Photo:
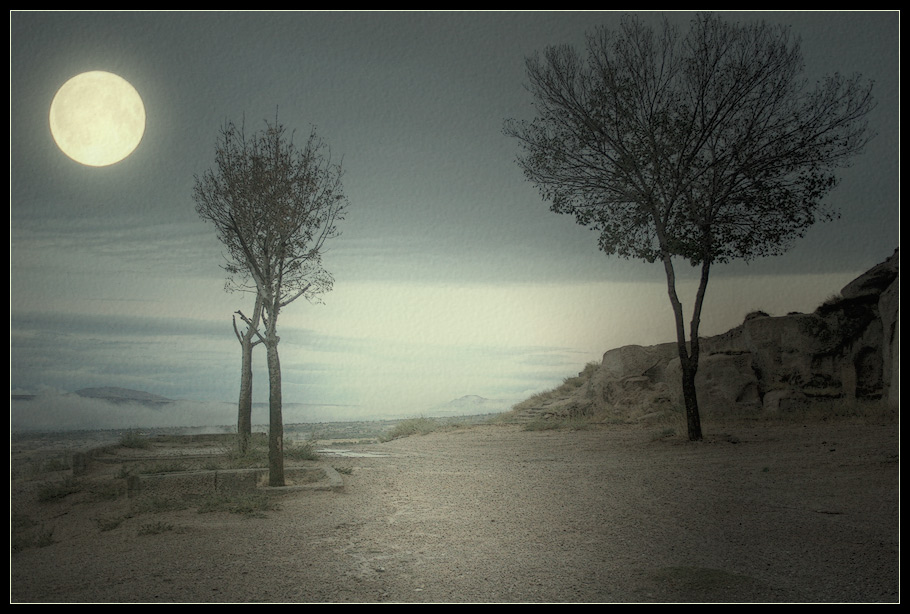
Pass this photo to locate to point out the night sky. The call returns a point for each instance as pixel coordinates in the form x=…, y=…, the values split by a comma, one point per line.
x=452, y=277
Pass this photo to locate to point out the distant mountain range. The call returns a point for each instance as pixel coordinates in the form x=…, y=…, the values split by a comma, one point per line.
x=468, y=405
x=123, y=395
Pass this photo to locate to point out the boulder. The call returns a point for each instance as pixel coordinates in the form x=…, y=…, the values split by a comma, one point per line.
x=637, y=360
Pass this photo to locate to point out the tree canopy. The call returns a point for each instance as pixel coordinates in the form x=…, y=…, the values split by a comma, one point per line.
x=273, y=205
x=709, y=146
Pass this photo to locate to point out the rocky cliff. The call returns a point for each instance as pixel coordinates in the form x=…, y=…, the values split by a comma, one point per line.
x=847, y=349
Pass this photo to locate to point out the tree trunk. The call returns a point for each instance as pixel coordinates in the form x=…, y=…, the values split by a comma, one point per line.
x=693, y=416
x=690, y=397
x=245, y=404
x=276, y=424
x=687, y=362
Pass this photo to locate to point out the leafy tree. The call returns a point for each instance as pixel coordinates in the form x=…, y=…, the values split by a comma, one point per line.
x=274, y=205
x=707, y=147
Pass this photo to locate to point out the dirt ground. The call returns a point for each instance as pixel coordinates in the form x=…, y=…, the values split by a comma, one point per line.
x=755, y=513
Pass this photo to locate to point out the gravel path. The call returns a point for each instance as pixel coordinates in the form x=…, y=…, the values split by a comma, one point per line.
x=769, y=513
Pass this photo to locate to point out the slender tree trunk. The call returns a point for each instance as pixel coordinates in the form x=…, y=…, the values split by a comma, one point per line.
x=245, y=402
x=693, y=416
x=688, y=361
x=690, y=396
x=276, y=424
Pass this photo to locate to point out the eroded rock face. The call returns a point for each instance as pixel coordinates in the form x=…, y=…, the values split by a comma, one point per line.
x=637, y=360
x=723, y=380
x=847, y=349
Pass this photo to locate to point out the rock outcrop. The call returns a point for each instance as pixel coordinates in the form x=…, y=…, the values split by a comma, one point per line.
x=847, y=349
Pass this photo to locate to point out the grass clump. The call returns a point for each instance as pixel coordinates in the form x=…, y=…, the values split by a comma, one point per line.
x=255, y=455
x=570, y=388
x=411, y=426
x=134, y=439
x=257, y=452
x=300, y=451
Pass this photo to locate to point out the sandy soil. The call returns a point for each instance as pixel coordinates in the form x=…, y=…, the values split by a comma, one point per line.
x=760, y=513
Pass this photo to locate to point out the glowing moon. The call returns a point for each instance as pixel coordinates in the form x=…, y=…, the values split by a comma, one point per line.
x=97, y=118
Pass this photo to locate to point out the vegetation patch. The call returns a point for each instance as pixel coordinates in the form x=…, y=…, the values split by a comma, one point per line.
x=134, y=439
x=257, y=453
x=54, y=491
x=570, y=388
x=247, y=504
x=300, y=451
x=412, y=426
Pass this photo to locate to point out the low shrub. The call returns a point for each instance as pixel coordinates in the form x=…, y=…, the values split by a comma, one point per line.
x=300, y=451
x=134, y=439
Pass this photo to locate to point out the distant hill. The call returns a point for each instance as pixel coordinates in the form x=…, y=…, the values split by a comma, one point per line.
x=469, y=405
x=123, y=395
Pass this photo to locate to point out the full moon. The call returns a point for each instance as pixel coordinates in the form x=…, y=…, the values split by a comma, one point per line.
x=97, y=118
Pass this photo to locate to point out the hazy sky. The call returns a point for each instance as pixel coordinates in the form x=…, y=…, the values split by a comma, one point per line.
x=452, y=276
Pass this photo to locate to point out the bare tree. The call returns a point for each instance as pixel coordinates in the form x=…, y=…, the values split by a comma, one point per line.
x=707, y=147
x=273, y=205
